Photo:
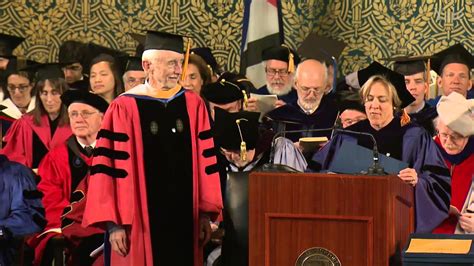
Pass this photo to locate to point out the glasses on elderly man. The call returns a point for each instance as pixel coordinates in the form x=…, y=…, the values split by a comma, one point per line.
x=272, y=72
x=454, y=137
x=83, y=114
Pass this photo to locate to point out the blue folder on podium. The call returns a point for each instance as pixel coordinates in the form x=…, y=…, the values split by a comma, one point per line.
x=437, y=259
x=354, y=159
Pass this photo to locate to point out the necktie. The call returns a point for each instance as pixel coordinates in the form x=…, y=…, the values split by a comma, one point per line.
x=88, y=150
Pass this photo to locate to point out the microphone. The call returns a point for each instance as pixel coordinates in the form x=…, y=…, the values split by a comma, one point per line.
x=270, y=166
x=376, y=168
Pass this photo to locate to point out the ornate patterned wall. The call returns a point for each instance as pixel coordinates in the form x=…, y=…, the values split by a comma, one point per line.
x=373, y=29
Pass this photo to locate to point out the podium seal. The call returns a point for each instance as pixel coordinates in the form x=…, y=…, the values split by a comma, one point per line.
x=317, y=257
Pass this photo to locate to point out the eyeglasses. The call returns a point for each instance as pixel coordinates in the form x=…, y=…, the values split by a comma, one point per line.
x=455, y=137
x=20, y=88
x=307, y=90
x=83, y=114
x=272, y=72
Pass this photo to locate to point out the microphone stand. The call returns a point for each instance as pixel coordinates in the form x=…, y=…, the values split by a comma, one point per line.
x=376, y=168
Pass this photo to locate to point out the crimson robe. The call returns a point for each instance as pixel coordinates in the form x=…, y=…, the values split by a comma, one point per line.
x=19, y=138
x=117, y=190
x=57, y=182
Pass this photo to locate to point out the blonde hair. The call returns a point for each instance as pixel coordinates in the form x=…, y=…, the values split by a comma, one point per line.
x=392, y=92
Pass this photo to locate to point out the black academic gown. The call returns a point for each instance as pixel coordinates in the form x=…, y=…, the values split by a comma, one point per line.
x=292, y=117
x=410, y=144
x=425, y=117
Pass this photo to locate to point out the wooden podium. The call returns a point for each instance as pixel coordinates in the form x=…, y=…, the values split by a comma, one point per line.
x=363, y=220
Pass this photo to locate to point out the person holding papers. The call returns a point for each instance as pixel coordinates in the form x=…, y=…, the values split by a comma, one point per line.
x=383, y=93
x=455, y=139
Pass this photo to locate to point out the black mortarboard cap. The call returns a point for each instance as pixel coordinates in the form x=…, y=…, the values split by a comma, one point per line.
x=140, y=38
x=409, y=65
x=71, y=52
x=8, y=43
x=206, y=54
x=46, y=71
x=222, y=92
x=81, y=96
x=320, y=48
x=280, y=53
x=130, y=63
x=240, y=80
x=226, y=129
x=349, y=100
x=397, y=80
x=164, y=41
x=454, y=54
x=18, y=64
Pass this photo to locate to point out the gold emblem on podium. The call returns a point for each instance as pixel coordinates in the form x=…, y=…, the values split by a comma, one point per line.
x=317, y=257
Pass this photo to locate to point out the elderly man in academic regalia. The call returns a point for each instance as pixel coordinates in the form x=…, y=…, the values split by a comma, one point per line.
x=65, y=167
x=21, y=211
x=455, y=139
x=156, y=187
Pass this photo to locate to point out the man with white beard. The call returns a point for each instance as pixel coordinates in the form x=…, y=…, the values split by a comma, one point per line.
x=280, y=63
x=312, y=109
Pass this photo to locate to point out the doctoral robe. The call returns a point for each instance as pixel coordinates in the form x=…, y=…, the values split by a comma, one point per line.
x=461, y=167
x=12, y=113
x=292, y=117
x=154, y=157
x=27, y=143
x=60, y=172
x=21, y=211
x=413, y=145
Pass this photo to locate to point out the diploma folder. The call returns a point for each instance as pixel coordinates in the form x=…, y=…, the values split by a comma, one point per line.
x=355, y=159
x=461, y=255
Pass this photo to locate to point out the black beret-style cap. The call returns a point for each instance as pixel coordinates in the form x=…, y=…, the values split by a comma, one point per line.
x=321, y=48
x=397, y=80
x=164, y=41
x=222, y=92
x=349, y=100
x=130, y=63
x=454, y=54
x=280, y=53
x=71, y=52
x=81, y=96
x=8, y=43
x=206, y=54
x=409, y=65
x=226, y=129
x=46, y=71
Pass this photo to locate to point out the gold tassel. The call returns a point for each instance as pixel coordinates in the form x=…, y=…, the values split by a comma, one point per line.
x=243, y=145
x=186, y=60
x=405, y=118
x=291, y=60
x=246, y=99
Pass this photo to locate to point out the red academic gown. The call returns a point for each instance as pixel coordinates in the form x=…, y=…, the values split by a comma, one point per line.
x=19, y=138
x=461, y=180
x=123, y=200
x=56, y=184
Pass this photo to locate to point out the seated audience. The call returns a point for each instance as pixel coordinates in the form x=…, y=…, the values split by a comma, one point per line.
x=47, y=126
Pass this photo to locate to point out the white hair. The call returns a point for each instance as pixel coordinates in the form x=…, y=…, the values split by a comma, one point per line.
x=149, y=55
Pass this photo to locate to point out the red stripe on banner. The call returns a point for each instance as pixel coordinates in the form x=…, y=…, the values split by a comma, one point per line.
x=273, y=2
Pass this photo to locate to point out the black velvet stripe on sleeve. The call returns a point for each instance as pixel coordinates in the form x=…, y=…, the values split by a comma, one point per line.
x=112, y=154
x=436, y=170
x=206, y=134
x=210, y=169
x=104, y=169
x=32, y=194
x=66, y=210
x=66, y=222
x=209, y=152
x=77, y=196
x=114, y=136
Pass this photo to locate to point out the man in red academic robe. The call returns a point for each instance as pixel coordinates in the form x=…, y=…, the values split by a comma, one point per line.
x=155, y=183
x=64, y=167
